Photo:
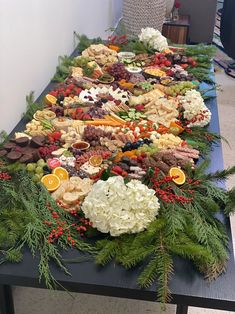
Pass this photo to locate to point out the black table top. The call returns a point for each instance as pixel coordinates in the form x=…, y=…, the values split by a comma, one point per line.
x=187, y=285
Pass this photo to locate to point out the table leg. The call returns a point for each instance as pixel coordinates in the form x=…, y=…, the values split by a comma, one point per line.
x=6, y=300
x=181, y=309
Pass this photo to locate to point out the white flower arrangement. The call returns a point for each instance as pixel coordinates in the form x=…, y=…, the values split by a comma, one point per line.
x=153, y=38
x=195, y=110
x=115, y=207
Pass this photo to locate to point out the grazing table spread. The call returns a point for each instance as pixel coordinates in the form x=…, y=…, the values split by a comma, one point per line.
x=106, y=185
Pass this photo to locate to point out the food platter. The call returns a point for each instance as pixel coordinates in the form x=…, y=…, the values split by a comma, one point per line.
x=113, y=153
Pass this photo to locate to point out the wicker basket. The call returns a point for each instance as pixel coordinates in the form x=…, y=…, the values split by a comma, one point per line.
x=143, y=13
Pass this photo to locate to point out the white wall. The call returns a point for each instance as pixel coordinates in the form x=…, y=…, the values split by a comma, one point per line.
x=33, y=33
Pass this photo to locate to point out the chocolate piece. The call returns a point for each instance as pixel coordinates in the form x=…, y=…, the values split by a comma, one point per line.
x=36, y=156
x=22, y=141
x=26, y=158
x=3, y=152
x=8, y=146
x=37, y=141
x=13, y=156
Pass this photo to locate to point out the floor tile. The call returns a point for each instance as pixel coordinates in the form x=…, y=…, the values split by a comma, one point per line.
x=198, y=310
x=38, y=301
x=92, y=304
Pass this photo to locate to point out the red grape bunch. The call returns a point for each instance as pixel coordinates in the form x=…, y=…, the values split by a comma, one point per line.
x=119, y=72
x=93, y=135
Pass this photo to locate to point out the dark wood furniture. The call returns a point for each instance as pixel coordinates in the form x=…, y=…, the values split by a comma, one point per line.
x=227, y=30
x=188, y=287
x=177, y=31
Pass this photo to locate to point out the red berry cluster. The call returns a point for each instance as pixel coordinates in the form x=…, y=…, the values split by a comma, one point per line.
x=70, y=90
x=117, y=170
x=118, y=40
x=162, y=61
x=46, y=151
x=63, y=229
x=165, y=191
x=4, y=176
x=54, y=137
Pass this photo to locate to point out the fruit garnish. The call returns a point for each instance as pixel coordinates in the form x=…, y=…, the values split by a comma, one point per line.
x=50, y=100
x=51, y=182
x=61, y=172
x=95, y=160
x=178, y=175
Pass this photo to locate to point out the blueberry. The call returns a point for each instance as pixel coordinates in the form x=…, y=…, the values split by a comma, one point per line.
x=60, y=98
x=123, y=166
x=104, y=100
x=125, y=160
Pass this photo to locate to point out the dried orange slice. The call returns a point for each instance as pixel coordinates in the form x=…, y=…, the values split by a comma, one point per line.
x=51, y=182
x=178, y=174
x=61, y=173
x=95, y=160
x=50, y=100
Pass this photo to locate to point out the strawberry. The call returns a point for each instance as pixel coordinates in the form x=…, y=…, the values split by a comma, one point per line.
x=184, y=65
x=139, y=107
x=53, y=93
x=71, y=86
x=79, y=110
x=170, y=72
x=190, y=60
x=124, y=174
x=86, y=116
x=56, y=135
x=167, y=63
x=117, y=170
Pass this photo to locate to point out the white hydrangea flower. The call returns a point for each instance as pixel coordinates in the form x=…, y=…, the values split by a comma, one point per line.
x=153, y=38
x=195, y=110
x=115, y=207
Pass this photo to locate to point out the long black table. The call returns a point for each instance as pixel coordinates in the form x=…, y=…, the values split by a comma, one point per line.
x=188, y=287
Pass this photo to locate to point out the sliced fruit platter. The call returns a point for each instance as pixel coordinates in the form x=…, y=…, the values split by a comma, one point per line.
x=114, y=149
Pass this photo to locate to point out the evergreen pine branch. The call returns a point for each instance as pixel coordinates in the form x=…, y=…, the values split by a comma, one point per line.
x=230, y=203
x=136, y=256
x=219, y=175
x=63, y=68
x=31, y=106
x=174, y=217
x=149, y=275
x=84, y=42
x=201, y=168
x=108, y=251
x=160, y=267
x=11, y=255
x=3, y=137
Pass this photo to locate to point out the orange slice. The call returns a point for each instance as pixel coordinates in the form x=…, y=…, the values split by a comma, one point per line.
x=51, y=182
x=178, y=174
x=61, y=173
x=50, y=100
x=95, y=160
